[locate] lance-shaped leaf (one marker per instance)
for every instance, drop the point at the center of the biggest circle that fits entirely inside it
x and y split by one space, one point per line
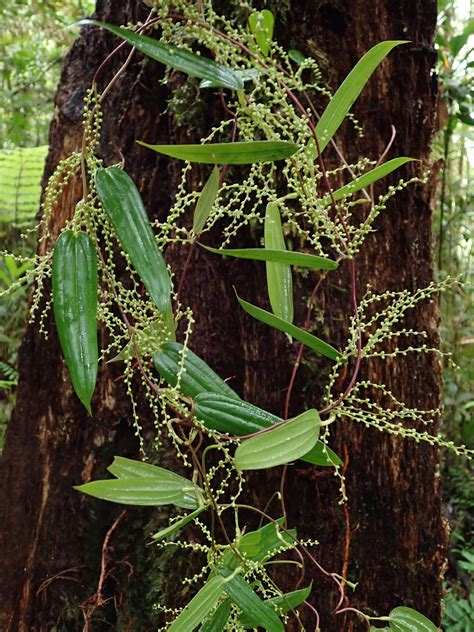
340 104
244 153
367 179
279 279
178 524
403 619
303 336
249 602
281 605
177 58
283 444
206 201
261 24
143 484
196 376
287 257
218 620
124 208
74 280
237 417
199 606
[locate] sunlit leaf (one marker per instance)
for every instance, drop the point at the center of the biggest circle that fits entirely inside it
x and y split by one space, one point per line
75 283
279 278
280 445
244 153
303 336
340 104
367 179
177 58
288 257
261 24
200 606
206 201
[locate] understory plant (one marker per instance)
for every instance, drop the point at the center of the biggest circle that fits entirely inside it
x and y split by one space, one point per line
266 173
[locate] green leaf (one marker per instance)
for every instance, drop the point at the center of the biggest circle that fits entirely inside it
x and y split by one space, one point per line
367 179
196 376
218 620
403 619
199 606
249 602
143 484
237 417
178 524
261 24
206 201
303 336
340 104
281 605
280 445
124 207
244 153
279 279
74 281
296 56
177 58
248 74
459 41
288 257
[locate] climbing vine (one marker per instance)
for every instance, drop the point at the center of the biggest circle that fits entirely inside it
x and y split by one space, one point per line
266 174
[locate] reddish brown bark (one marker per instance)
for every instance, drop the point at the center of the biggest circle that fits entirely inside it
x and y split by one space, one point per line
390 537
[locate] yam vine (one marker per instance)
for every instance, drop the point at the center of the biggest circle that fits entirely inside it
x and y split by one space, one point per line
266 173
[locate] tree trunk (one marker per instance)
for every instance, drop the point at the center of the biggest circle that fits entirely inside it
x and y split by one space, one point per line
390 536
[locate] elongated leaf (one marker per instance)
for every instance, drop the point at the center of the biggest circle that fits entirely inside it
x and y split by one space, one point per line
261 24
303 336
199 606
178 525
340 104
279 279
131 468
196 377
248 74
177 58
288 257
281 605
249 602
237 417
206 201
283 444
124 207
74 280
218 620
403 619
244 153
367 179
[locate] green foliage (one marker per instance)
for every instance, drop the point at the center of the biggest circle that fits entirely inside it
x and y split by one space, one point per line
191 405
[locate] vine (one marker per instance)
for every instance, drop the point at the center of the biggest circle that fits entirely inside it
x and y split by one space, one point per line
267 172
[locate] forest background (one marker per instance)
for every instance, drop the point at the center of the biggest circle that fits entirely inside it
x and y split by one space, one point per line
33 45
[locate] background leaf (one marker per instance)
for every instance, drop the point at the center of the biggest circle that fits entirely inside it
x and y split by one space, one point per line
261 24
